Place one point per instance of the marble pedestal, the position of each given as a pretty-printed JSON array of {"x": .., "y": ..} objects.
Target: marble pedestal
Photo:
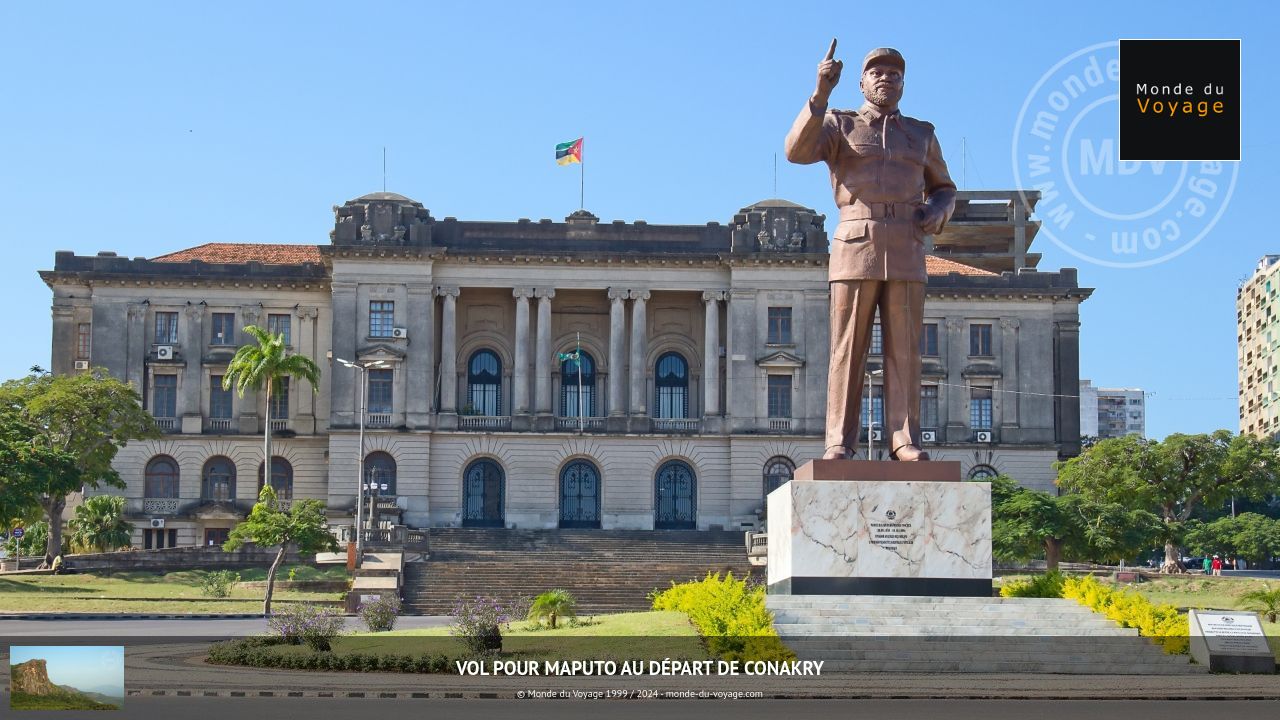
[{"x": 922, "y": 533}]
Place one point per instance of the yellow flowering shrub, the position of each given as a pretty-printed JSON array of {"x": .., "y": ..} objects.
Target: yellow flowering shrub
[
  {"x": 1162, "y": 623},
  {"x": 729, "y": 614}
]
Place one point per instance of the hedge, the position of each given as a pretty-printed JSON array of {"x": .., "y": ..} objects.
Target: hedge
[
  {"x": 729, "y": 615},
  {"x": 259, "y": 652},
  {"x": 1162, "y": 623}
]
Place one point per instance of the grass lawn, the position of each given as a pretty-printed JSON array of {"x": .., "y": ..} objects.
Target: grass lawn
[
  {"x": 1210, "y": 593},
  {"x": 142, "y": 591},
  {"x": 629, "y": 636}
]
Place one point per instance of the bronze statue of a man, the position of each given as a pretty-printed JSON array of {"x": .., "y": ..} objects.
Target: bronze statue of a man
[{"x": 892, "y": 188}]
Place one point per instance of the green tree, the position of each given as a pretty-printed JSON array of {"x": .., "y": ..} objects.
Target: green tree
[
  {"x": 302, "y": 526},
  {"x": 99, "y": 525},
  {"x": 552, "y": 605},
  {"x": 261, "y": 366},
  {"x": 1027, "y": 523},
  {"x": 77, "y": 424},
  {"x": 1254, "y": 537},
  {"x": 1171, "y": 478}
]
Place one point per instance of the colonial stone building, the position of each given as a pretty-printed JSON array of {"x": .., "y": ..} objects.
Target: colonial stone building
[{"x": 699, "y": 382}]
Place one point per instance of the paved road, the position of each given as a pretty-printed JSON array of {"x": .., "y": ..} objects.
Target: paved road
[
  {"x": 201, "y": 708},
  {"x": 204, "y": 627}
]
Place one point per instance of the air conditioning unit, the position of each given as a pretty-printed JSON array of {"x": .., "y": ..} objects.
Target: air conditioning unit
[
  {"x": 877, "y": 435},
  {"x": 164, "y": 352},
  {"x": 928, "y": 436},
  {"x": 984, "y": 436},
  {"x": 157, "y": 522},
  {"x": 401, "y": 333},
  {"x": 82, "y": 364}
]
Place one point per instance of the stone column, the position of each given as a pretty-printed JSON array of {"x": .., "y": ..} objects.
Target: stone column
[
  {"x": 711, "y": 353},
  {"x": 139, "y": 347},
  {"x": 955, "y": 351},
  {"x": 248, "y": 405},
  {"x": 1008, "y": 401},
  {"x": 306, "y": 342},
  {"x": 1066, "y": 386},
  {"x": 449, "y": 358},
  {"x": 419, "y": 380},
  {"x": 639, "y": 405},
  {"x": 192, "y": 370},
  {"x": 343, "y": 388},
  {"x": 520, "y": 372},
  {"x": 542, "y": 357},
  {"x": 617, "y": 341}
]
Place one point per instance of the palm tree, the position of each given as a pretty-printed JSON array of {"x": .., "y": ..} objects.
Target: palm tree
[
  {"x": 1265, "y": 601},
  {"x": 261, "y": 366},
  {"x": 553, "y": 604},
  {"x": 99, "y": 525}
]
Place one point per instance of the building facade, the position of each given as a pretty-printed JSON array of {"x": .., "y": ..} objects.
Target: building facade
[
  {"x": 546, "y": 374},
  {"x": 1257, "y": 341},
  {"x": 1112, "y": 412}
]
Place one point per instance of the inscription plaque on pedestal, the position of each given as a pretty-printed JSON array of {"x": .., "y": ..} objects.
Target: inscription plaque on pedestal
[{"x": 1230, "y": 642}]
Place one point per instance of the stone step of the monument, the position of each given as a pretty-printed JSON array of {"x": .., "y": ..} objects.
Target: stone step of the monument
[
  {"x": 978, "y": 646},
  {"x": 976, "y": 630},
  {"x": 846, "y": 601},
  {"x": 996, "y": 667},
  {"x": 1136, "y": 658},
  {"x": 889, "y": 624},
  {"x": 924, "y": 610}
]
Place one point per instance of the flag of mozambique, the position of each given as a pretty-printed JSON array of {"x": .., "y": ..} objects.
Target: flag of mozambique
[{"x": 569, "y": 152}]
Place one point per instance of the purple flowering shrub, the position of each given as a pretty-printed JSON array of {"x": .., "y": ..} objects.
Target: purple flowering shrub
[
  {"x": 478, "y": 622},
  {"x": 314, "y": 625},
  {"x": 380, "y": 615}
]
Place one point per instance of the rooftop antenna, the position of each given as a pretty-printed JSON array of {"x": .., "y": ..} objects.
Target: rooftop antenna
[
  {"x": 384, "y": 168},
  {"x": 775, "y": 174}
]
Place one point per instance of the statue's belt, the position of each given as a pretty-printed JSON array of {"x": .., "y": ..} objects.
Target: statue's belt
[{"x": 875, "y": 211}]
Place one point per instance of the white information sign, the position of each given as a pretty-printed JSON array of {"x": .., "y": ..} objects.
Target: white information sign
[{"x": 1231, "y": 641}]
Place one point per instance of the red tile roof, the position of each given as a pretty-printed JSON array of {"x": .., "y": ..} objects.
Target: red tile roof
[
  {"x": 266, "y": 253},
  {"x": 934, "y": 265}
]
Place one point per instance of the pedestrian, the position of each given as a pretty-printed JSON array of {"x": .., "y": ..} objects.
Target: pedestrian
[
  {"x": 1208, "y": 563},
  {"x": 1216, "y": 565}
]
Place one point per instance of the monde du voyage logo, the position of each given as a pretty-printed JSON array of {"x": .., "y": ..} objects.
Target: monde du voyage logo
[{"x": 1129, "y": 148}]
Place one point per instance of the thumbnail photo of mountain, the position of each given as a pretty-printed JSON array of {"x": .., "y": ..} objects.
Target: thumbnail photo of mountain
[{"x": 70, "y": 677}]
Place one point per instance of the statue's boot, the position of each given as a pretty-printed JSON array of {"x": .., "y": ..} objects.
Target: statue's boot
[
  {"x": 837, "y": 452},
  {"x": 909, "y": 453}
]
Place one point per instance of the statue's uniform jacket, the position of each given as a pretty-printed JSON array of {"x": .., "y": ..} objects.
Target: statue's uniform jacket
[{"x": 882, "y": 167}]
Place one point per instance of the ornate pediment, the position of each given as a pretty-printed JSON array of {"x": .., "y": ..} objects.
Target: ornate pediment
[
  {"x": 780, "y": 360},
  {"x": 981, "y": 370},
  {"x": 389, "y": 354},
  {"x": 216, "y": 510}
]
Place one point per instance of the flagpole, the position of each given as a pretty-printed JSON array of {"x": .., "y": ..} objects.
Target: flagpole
[
  {"x": 578, "y": 352},
  {"x": 582, "y": 183}
]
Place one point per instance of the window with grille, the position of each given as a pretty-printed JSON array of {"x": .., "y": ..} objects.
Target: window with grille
[
  {"x": 779, "y": 396},
  {"x": 578, "y": 386},
  {"x": 980, "y": 408},
  {"x": 928, "y": 406},
  {"x": 672, "y": 385},
  {"x": 877, "y": 339},
  {"x": 779, "y": 325},
  {"x": 84, "y": 336},
  {"x": 484, "y": 383},
  {"x": 279, "y": 324},
  {"x": 160, "y": 479},
  {"x": 380, "y": 391},
  {"x": 166, "y": 328},
  {"x": 164, "y": 396},
  {"x": 381, "y": 318},
  {"x": 224, "y": 329}
]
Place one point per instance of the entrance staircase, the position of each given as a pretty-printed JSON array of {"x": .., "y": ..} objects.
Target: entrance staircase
[
  {"x": 606, "y": 570},
  {"x": 865, "y": 633}
]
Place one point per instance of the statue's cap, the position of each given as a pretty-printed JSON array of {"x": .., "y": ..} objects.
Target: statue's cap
[{"x": 884, "y": 55}]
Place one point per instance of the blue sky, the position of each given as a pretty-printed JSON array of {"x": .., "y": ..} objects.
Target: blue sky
[
  {"x": 89, "y": 668},
  {"x": 145, "y": 128}
]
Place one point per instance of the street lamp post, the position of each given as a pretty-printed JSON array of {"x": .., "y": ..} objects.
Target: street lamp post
[
  {"x": 871, "y": 415},
  {"x": 361, "y": 371}
]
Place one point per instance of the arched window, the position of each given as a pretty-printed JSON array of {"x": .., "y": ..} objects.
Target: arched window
[
  {"x": 484, "y": 383},
  {"x": 482, "y": 495},
  {"x": 571, "y": 380},
  {"x": 778, "y": 471},
  {"x": 281, "y": 478},
  {"x": 219, "y": 481},
  {"x": 675, "y": 497},
  {"x": 380, "y": 468},
  {"x": 672, "y": 383},
  {"x": 982, "y": 472},
  {"x": 580, "y": 495},
  {"x": 161, "y": 478}
]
